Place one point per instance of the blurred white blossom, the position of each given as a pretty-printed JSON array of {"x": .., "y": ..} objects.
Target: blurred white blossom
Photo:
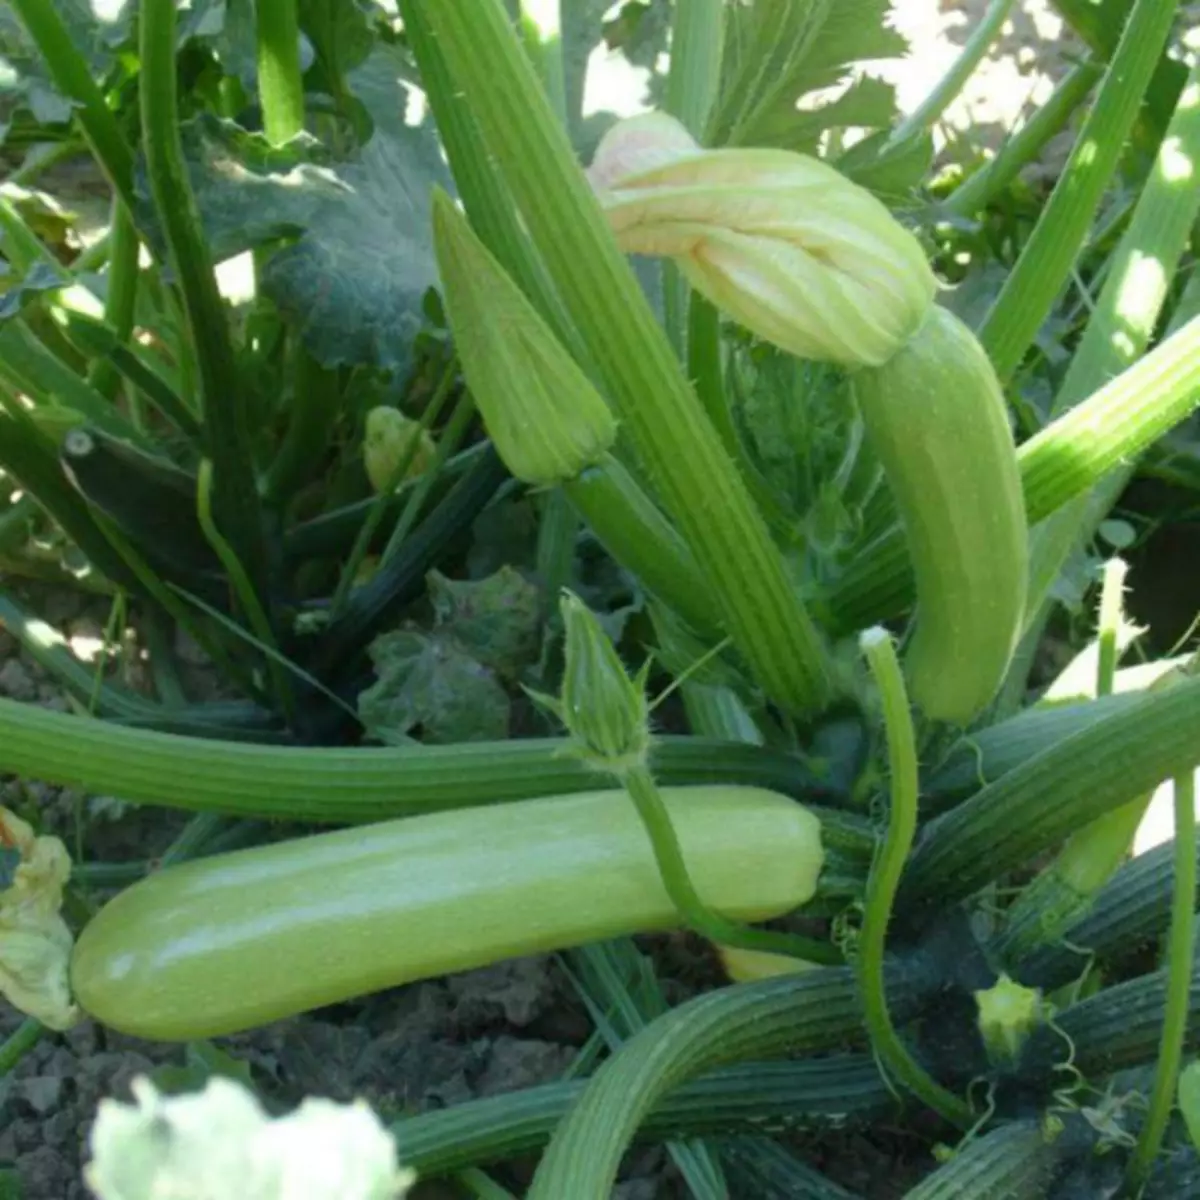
[{"x": 220, "y": 1143}]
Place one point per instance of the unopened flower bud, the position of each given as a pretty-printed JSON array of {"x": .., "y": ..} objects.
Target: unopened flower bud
[
  {"x": 782, "y": 242},
  {"x": 388, "y": 440},
  {"x": 602, "y": 707},
  {"x": 546, "y": 420}
]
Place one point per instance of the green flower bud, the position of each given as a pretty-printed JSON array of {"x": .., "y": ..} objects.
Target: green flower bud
[
  {"x": 387, "y": 441},
  {"x": 784, "y": 243},
  {"x": 546, "y": 420},
  {"x": 603, "y": 709},
  {"x": 1007, "y": 1013}
]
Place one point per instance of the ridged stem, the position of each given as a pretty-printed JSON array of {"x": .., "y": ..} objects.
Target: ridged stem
[
  {"x": 789, "y": 1015},
  {"x": 689, "y": 468},
  {"x": 236, "y": 501},
  {"x": 745, "y": 1098},
  {"x": 636, "y": 534},
  {"x": 1045, "y": 799},
  {"x": 1047, "y": 257},
  {"x": 341, "y": 785},
  {"x": 1124, "y": 321}
]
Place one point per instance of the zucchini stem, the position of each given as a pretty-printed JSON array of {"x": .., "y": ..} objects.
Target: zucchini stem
[
  {"x": 639, "y": 783},
  {"x": 880, "y": 653}
]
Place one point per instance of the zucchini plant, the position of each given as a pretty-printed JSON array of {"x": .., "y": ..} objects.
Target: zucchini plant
[{"x": 835, "y": 522}]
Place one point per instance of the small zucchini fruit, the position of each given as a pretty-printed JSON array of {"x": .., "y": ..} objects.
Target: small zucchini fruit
[
  {"x": 936, "y": 417},
  {"x": 234, "y": 941}
]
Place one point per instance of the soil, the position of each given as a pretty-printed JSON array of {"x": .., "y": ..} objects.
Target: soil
[{"x": 483, "y": 1032}]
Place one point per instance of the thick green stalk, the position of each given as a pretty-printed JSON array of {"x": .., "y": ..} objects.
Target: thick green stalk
[
  {"x": 1063, "y": 892},
  {"x": 483, "y": 193},
  {"x": 1079, "y": 448},
  {"x": 541, "y": 25},
  {"x": 1099, "y": 27},
  {"x": 1068, "y": 457},
  {"x": 641, "y": 539},
  {"x": 1124, "y": 321},
  {"x": 1047, "y": 258},
  {"x": 697, "y": 45},
  {"x": 789, "y": 1015},
  {"x": 280, "y": 87},
  {"x": 745, "y": 1098},
  {"x": 236, "y": 501},
  {"x": 978, "y": 190},
  {"x": 73, "y": 77},
  {"x": 930, "y": 110},
  {"x": 903, "y": 792},
  {"x": 121, "y": 296},
  {"x": 1039, "y": 803},
  {"x": 689, "y": 468},
  {"x": 1180, "y": 954},
  {"x": 341, "y": 785}
]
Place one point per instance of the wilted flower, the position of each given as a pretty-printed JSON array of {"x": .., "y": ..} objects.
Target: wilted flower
[
  {"x": 387, "y": 441},
  {"x": 35, "y": 943},
  {"x": 546, "y": 420},
  {"x": 219, "y": 1143},
  {"x": 782, "y": 242}
]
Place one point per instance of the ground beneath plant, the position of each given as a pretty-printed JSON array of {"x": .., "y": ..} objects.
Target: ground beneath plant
[{"x": 484, "y": 1032}]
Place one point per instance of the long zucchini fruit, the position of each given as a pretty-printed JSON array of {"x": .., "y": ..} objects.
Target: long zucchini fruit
[{"x": 237, "y": 940}]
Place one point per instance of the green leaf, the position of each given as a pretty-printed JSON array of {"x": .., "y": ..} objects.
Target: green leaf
[
  {"x": 341, "y": 36},
  {"x": 639, "y": 30},
  {"x": 497, "y": 619},
  {"x": 428, "y": 684},
  {"x": 39, "y": 279},
  {"x": 1189, "y": 1100},
  {"x": 100, "y": 30},
  {"x": 891, "y": 170},
  {"x": 354, "y": 279},
  {"x": 778, "y": 51}
]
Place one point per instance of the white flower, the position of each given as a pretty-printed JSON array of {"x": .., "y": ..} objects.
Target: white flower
[
  {"x": 220, "y": 1143},
  {"x": 783, "y": 243},
  {"x": 35, "y": 943}
]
